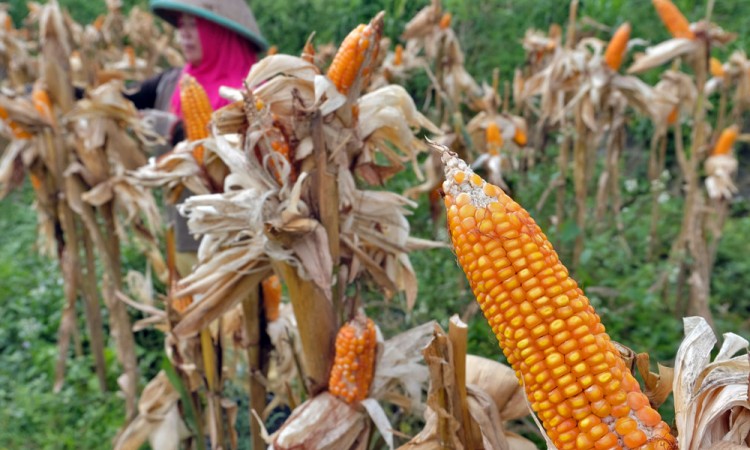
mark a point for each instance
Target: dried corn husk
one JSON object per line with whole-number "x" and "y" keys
{"x": 711, "y": 397}
{"x": 443, "y": 415}
{"x": 158, "y": 419}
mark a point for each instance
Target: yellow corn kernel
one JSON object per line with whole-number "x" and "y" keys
{"x": 196, "y": 112}
{"x": 585, "y": 377}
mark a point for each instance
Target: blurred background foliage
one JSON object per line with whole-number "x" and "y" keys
{"x": 490, "y": 32}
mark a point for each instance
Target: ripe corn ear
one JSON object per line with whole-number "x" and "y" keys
{"x": 673, "y": 115}
{"x": 726, "y": 141}
{"x": 493, "y": 138}
{"x": 716, "y": 68}
{"x": 673, "y": 19}
{"x": 445, "y": 20}
{"x": 519, "y": 136}
{"x": 574, "y": 378}
{"x": 130, "y": 54}
{"x": 42, "y": 103}
{"x": 353, "y": 367}
{"x": 18, "y": 131}
{"x": 617, "y": 47}
{"x": 351, "y": 54}
{"x": 398, "y": 55}
{"x": 196, "y": 112}
{"x": 271, "y": 297}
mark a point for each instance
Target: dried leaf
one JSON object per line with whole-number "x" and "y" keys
{"x": 657, "y": 386}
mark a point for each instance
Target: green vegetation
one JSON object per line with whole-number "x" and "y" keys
{"x": 82, "y": 417}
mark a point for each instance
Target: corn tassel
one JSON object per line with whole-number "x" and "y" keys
{"x": 353, "y": 367}
{"x": 271, "y": 297}
{"x": 673, "y": 19}
{"x": 196, "y": 112}
{"x": 350, "y": 57}
{"x": 493, "y": 139}
{"x": 617, "y": 47}
{"x": 574, "y": 378}
{"x": 726, "y": 141}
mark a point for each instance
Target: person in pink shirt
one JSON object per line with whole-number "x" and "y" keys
{"x": 220, "y": 41}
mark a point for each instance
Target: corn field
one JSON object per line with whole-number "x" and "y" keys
{"x": 339, "y": 178}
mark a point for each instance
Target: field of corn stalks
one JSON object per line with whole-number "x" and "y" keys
{"x": 592, "y": 195}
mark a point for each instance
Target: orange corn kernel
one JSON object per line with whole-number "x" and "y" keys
{"x": 354, "y": 364}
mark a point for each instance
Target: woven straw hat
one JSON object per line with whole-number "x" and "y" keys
{"x": 232, "y": 14}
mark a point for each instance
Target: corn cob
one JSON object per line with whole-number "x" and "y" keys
{"x": 99, "y": 23}
{"x": 716, "y": 68}
{"x": 493, "y": 139}
{"x": 673, "y": 115}
{"x": 42, "y": 103}
{"x": 353, "y": 367}
{"x": 398, "y": 55}
{"x": 445, "y": 20}
{"x": 574, "y": 378}
{"x": 196, "y": 112}
{"x": 130, "y": 54}
{"x": 519, "y": 136}
{"x": 673, "y": 19}
{"x": 617, "y": 46}
{"x": 18, "y": 131}
{"x": 351, "y": 54}
{"x": 8, "y": 23}
{"x": 278, "y": 143}
{"x": 271, "y": 297}
{"x": 726, "y": 141}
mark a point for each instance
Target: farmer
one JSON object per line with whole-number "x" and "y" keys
{"x": 220, "y": 41}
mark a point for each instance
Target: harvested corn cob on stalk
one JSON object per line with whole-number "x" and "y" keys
{"x": 519, "y": 136}
{"x": 673, "y": 19}
{"x": 575, "y": 380}
{"x": 445, "y": 20}
{"x": 18, "y": 131}
{"x": 398, "y": 56}
{"x": 716, "y": 68}
{"x": 493, "y": 138}
{"x": 271, "y": 297}
{"x": 726, "y": 141}
{"x": 353, "y": 367}
{"x": 196, "y": 112}
{"x": 617, "y": 47}
{"x": 42, "y": 103}
{"x": 352, "y": 53}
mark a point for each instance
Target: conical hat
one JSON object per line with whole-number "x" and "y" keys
{"x": 232, "y": 14}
